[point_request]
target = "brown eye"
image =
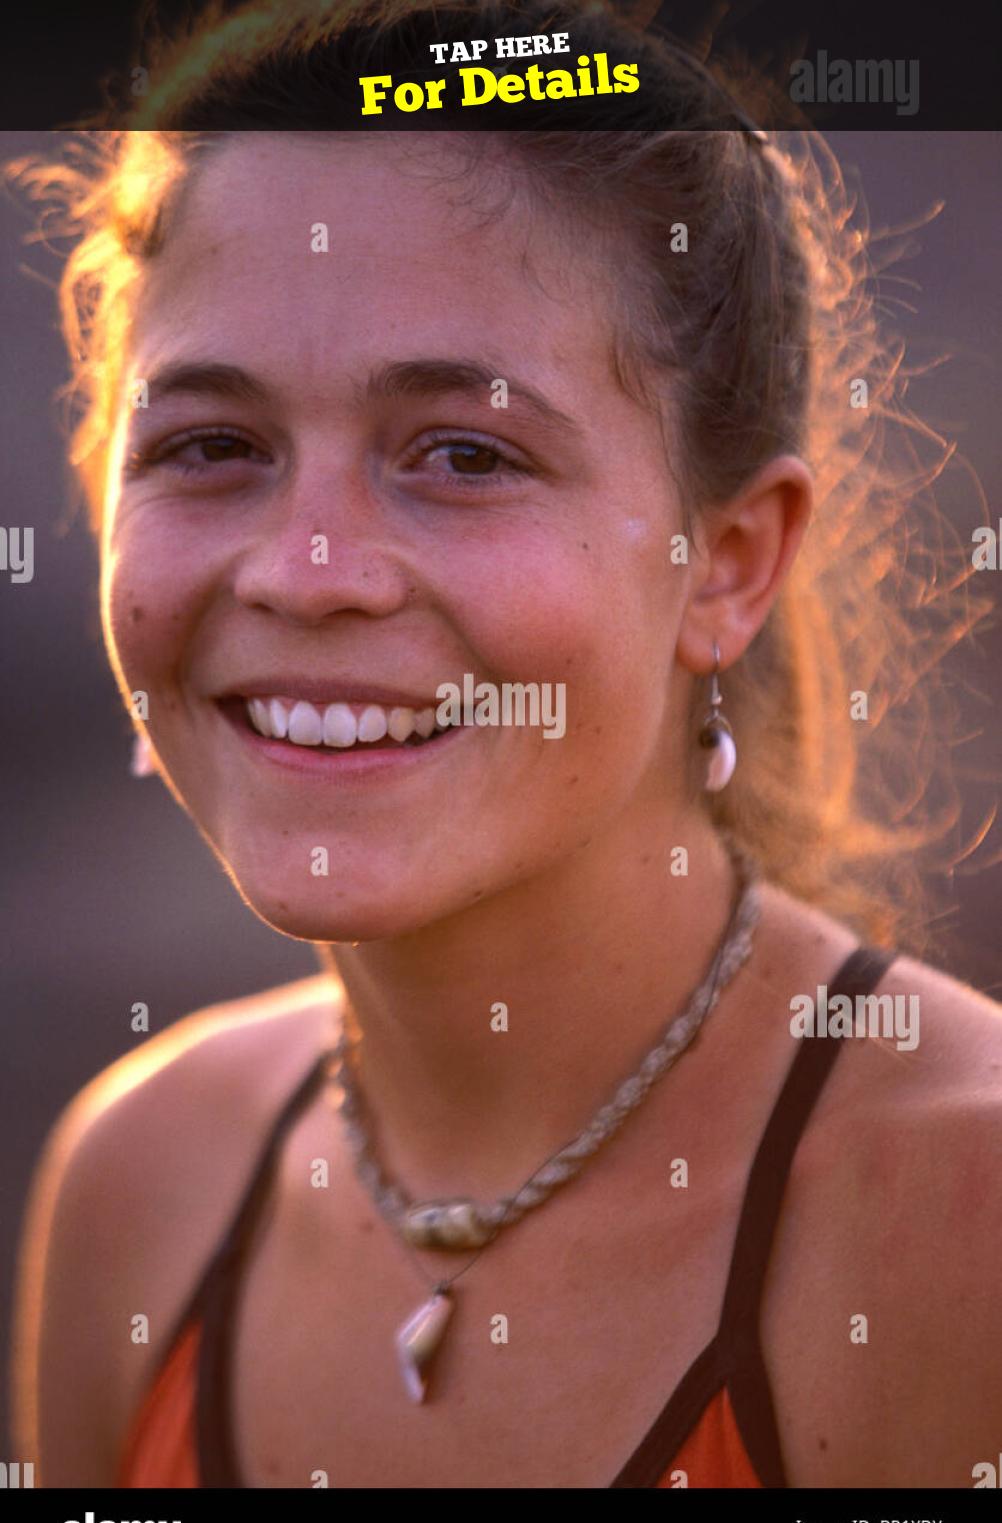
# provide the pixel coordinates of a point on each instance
(222, 448)
(441, 460)
(192, 452)
(472, 459)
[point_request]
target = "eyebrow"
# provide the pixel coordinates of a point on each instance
(400, 378)
(189, 378)
(437, 377)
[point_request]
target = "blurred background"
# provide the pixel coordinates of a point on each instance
(110, 895)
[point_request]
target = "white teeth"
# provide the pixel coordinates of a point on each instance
(340, 728)
(372, 723)
(279, 719)
(336, 725)
(259, 717)
(400, 723)
(306, 728)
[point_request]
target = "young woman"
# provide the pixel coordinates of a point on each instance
(368, 414)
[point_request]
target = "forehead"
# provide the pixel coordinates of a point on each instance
(417, 258)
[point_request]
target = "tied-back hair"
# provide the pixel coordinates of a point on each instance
(753, 343)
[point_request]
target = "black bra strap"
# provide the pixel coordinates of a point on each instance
(859, 974)
(738, 1336)
(218, 1297)
(736, 1347)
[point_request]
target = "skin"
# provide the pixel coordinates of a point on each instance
(530, 847)
(509, 867)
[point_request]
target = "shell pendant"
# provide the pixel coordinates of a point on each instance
(454, 1224)
(716, 737)
(418, 1340)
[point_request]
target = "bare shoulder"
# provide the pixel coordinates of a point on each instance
(228, 1041)
(931, 1039)
(133, 1187)
(961, 1028)
(925, 1061)
(204, 1081)
(895, 1219)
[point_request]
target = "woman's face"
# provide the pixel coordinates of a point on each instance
(365, 526)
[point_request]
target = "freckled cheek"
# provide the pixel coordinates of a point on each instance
(151, 601)
(579, 630)
(638, 536)
(525, 618)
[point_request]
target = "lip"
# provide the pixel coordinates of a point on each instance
(331, 766)
(321, 692)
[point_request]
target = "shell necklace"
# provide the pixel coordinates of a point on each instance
(464, 1224)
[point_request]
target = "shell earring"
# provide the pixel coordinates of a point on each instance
(716, 736)
(142, 759)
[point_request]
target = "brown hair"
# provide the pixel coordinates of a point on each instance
(748, 347)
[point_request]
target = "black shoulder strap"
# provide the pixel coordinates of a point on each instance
(738, 1335)
(217, 1296)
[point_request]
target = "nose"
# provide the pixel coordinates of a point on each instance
(324, 546)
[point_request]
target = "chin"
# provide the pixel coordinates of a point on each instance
(332, 913)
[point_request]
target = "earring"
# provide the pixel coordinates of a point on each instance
(717, 737)
(142, 758)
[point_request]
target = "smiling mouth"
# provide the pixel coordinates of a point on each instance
(340, 727)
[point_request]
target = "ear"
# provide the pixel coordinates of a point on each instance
(746, 549)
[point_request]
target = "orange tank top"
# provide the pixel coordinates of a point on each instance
(717, 1429)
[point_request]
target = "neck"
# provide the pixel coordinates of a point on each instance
(591, 961)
